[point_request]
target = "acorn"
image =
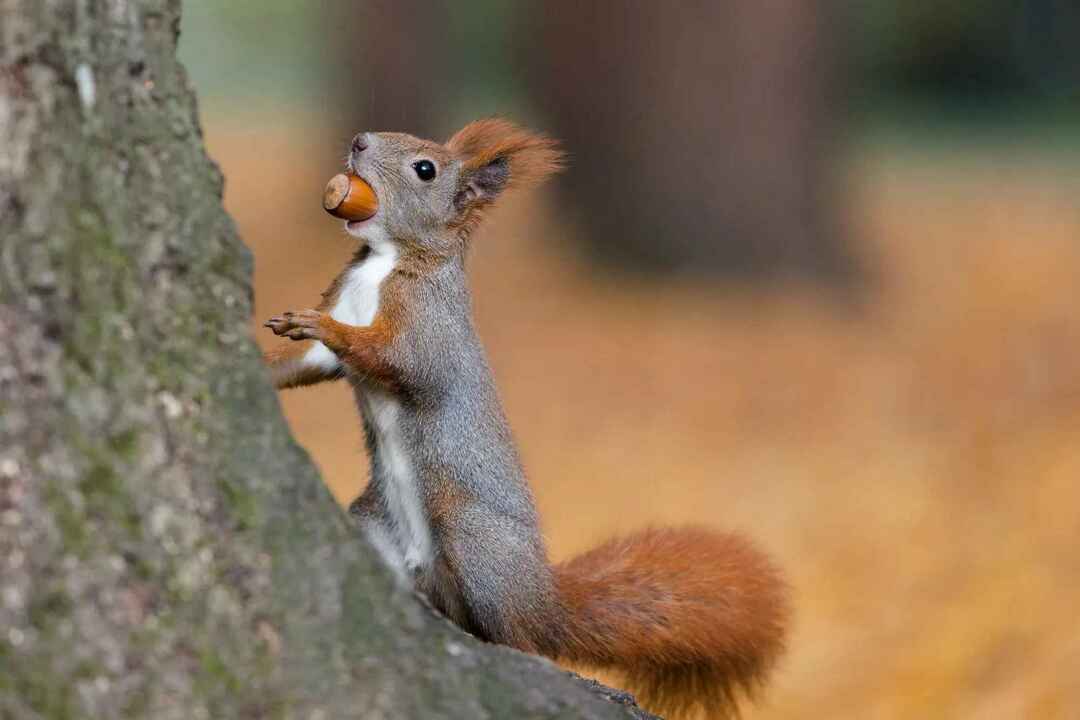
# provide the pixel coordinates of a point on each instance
(349, 198)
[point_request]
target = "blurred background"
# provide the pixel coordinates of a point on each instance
(811, 275)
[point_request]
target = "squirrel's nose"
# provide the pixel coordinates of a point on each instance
(360, 143)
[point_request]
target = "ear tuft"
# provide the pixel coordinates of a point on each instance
(498, 155)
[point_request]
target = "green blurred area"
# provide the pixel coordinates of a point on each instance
(250, 53)
(256, 55)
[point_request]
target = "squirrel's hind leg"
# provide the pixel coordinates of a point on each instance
(497, 574)
(370, 517)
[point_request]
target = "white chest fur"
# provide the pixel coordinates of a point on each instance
(358, 299)
(406, 544)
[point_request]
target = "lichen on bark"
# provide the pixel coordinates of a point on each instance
(166, 548)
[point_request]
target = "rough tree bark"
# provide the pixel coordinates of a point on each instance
(166, 550)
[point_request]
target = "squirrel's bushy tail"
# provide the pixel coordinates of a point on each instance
(692, 618)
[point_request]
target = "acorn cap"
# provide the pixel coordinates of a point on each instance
(349, 198)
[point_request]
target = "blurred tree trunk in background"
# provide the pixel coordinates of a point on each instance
(700, 132)
(396, 65)
(166, 549)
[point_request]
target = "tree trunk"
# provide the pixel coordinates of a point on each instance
(395, 65)
(166, 549)
(699, 138)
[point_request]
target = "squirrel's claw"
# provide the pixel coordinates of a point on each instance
(303, 325)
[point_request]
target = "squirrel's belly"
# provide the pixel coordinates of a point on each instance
(409, 531)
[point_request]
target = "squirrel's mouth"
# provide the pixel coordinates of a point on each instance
(354, 227)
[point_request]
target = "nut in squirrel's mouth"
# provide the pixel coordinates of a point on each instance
(352, 199)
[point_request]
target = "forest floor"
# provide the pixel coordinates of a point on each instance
(911, 459)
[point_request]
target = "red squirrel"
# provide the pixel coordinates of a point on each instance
(693, 618)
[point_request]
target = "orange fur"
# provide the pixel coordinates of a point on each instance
(364, 349)
(691, 617)
(286, 351)
(532, 157)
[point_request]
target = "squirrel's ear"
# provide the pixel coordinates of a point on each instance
(497, 155)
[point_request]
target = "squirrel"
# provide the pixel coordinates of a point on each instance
(693, 618)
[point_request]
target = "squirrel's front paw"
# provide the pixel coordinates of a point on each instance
(302, 325)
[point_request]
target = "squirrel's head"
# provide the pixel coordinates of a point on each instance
(431, 196)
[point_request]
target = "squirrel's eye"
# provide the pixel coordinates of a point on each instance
(425, 170)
